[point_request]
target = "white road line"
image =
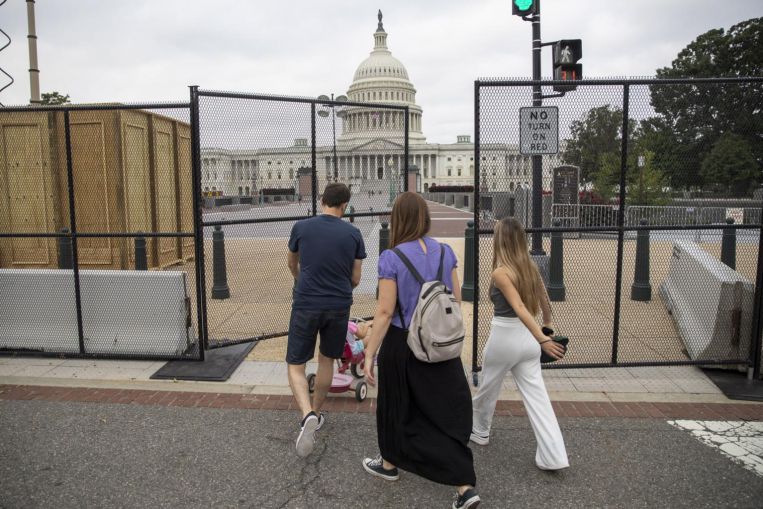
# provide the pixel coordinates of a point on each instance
(739, 440)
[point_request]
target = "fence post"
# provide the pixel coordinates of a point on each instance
(383, 237)
(729, 245)
(65, 251)
(352, 211)
(556, 288)
(641, 290)
(141, 261)
(220, 288)
(467, 289)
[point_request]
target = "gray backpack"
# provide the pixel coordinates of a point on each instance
(436, 331)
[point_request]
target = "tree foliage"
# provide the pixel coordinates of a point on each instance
(592, 137)
(732, 163)
(693, 118)
(54, 98)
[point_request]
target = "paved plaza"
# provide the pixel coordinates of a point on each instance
(261, 290)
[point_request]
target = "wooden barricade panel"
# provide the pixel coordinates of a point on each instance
(165, 186)
(94, 187)
(185, 191)
(136, 164)
(26, 190)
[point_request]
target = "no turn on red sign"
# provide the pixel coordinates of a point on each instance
(539, 130)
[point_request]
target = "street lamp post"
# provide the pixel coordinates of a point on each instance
(392, 181)
(324, 113)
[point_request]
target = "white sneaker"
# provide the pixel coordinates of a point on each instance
(321, 421)
(306, 438)
(479, 439)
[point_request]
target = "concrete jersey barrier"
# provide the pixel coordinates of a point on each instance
(711, 304)
(124, 312)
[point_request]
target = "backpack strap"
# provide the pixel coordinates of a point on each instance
(442, 260)
(409, 265)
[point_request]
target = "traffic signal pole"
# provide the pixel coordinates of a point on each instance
(537, 201)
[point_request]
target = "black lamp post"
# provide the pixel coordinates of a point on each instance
(324, 113)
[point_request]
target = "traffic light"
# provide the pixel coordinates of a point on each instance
(524, 7)
(566, 54)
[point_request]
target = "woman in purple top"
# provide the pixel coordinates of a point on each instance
(424, 410)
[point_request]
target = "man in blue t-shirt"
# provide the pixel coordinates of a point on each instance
(325, 257)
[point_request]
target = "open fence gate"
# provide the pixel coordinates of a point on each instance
(637, 275)
(262, 162)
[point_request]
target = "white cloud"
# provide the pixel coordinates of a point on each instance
(144, 50)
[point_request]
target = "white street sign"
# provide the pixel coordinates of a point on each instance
(539, 130)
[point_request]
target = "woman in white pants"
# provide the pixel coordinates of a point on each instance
(515, 345)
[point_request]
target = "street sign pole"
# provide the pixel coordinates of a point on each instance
(537, 161)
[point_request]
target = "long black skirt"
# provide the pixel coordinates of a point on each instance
(424, 414)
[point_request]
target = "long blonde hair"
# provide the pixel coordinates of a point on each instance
(410, 219)
(510, 252)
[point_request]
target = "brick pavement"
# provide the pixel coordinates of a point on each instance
(712, 411)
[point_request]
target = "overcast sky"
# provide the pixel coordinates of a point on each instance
(148, 50)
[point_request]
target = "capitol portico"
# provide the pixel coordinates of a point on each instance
(369, 144)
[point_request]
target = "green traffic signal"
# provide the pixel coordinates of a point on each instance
(523, 5)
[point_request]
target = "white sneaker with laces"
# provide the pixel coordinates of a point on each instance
(306, 438)
(479, 439)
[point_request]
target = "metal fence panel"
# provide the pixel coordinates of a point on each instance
(643, 166)
(91, 196)
(265, 161)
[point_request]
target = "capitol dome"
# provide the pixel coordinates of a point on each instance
(381, 78)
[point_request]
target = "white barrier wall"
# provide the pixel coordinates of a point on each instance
(711, 304)
(123, 311)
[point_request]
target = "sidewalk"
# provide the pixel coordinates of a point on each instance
(668, 385)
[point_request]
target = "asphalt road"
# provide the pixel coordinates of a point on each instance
(79, 455)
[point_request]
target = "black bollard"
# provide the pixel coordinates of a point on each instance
(641, 290)
(467, 289)
(729, 245)
(65, 251)
(557, 292)
(141, 261)
(220, 288)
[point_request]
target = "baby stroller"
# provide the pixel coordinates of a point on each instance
(342, 382)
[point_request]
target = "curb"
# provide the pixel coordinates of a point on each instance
(657, 410)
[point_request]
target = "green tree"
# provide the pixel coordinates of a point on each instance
(646, 183)
(596, 134)
(54, 98)
(692, 118)
(731, 164)
(606, 177)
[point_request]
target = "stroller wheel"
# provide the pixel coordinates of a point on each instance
(361, 391)
(311, 382)
(357, 369)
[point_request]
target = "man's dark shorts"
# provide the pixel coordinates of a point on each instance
(306, 324)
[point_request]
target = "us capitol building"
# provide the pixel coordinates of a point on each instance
(369, 145)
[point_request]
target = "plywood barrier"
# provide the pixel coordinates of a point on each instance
(28, 194)
(131, 170)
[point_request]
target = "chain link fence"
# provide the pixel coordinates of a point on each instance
(660, 218)
(265, 161)
(97, 231)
